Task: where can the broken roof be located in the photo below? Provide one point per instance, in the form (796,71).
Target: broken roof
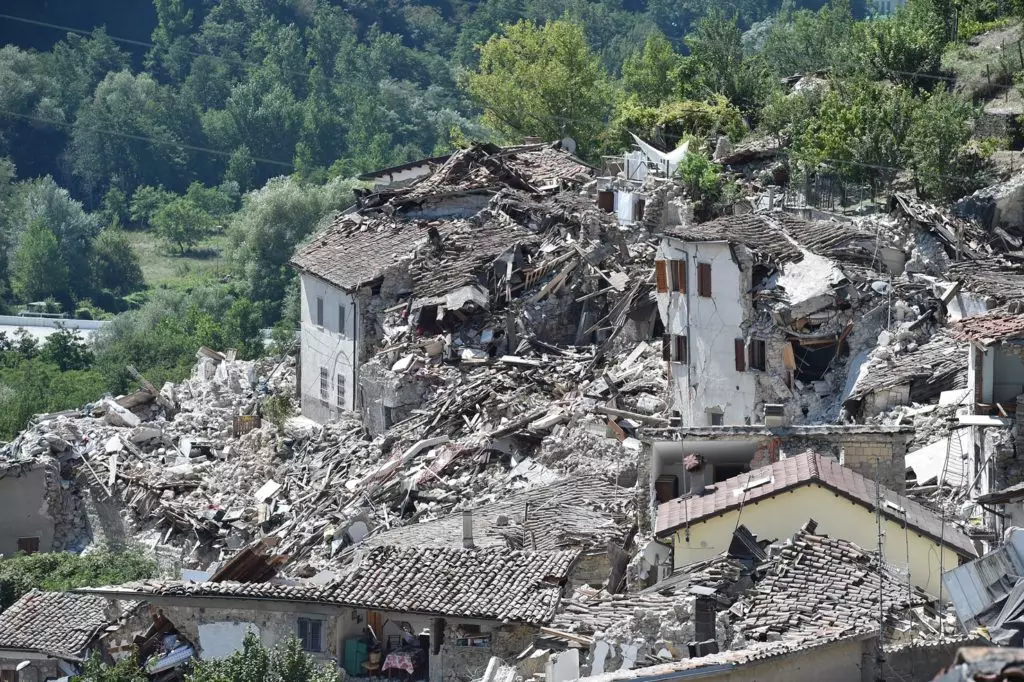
(488,584)
(586,511)
(960,236)
(484,167)
(1000,278)
(780,237)
(991,328)
(59,624)
(757,232)
(356,250)
(819,584)
(793,473)
(936,366)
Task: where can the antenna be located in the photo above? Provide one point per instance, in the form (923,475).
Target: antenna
(880,644)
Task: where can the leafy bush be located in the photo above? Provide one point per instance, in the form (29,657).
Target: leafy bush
(62,571)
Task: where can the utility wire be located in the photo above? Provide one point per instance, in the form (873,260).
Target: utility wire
(144,138)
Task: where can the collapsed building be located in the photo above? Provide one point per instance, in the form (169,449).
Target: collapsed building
(549,418)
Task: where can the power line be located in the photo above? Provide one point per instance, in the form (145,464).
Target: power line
(144,138)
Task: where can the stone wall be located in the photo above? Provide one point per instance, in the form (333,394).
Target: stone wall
(31,502)
(216,632)
(388,397)
(884,399)
(463,664)
(877,458)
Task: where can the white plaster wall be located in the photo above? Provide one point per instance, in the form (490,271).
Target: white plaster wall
(327,346)
(709,380)
(781,516)
(220,640)
(25,511)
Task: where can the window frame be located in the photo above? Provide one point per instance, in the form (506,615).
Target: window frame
(757,355)
(339,389)
(341,319)
(325,385)
(306,642)
(320,311)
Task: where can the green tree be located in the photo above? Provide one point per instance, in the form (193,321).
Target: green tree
(115,264)
(62,571)
(146,202)
(264,233)
(651,74)
(66,349)
(703,181)
(803,41)
(858,132)
(128,669)
(127,134)
(719,65)
(182,223)
(906,48)
(115,207)
(543,81)
(253,663)
(937,146)
(38,270)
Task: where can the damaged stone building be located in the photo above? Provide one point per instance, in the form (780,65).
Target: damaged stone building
(554,427)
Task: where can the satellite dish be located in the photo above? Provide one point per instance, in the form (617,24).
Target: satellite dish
(569,145)
(881,287)
(21,666)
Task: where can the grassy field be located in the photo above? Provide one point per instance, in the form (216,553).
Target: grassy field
(163,267)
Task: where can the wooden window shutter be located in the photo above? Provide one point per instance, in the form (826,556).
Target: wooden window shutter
(661,275)
(704,279)
(680,275)
(741,365)
(682,349)
(666,347)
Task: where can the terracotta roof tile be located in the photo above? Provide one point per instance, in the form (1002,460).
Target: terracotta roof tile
(58,623)
(795,472)
(488,584)
(817,583)
(991,328)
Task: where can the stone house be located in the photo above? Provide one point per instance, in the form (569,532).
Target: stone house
(47,635)
(769,500)
(31,503)
(447,609)
(360,266)
(757,306)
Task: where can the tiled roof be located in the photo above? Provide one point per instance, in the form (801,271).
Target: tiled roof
(585,511)
(991,328)
(354,251)
(487,584)
(779,237)
(484,167)
(998,278)
(795,472)
(820,584)
(57,623)
(936,366)
(757,232)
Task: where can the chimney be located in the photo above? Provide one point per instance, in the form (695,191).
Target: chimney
(774,415)
(694,465)
(467,529)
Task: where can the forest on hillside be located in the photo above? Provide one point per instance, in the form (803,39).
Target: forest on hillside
(161,162)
